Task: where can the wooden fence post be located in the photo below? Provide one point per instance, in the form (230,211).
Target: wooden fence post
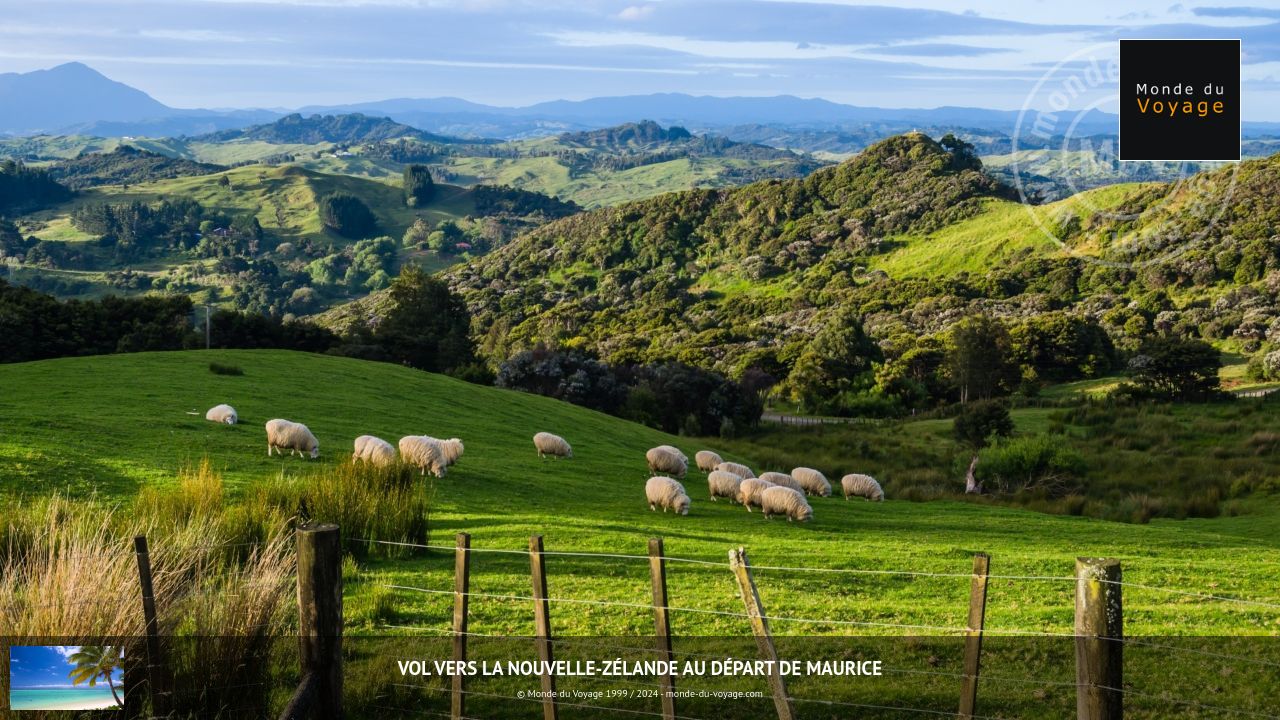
(157,688)
(662,625)
(973,634)
(542,627)
(320,616)
(1099,640)
(760,627)
(461,586)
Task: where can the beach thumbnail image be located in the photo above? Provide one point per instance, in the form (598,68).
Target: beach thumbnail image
(65,677)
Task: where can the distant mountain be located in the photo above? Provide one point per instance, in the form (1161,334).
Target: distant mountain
(67,95)
(348,128)
(628,135)
(189,122)
(126,165)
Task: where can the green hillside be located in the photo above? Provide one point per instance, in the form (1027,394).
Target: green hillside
(105,426)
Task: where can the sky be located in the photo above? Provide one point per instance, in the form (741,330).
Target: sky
(903,53)
(44,666)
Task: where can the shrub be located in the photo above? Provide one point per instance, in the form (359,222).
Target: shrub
(1033,463)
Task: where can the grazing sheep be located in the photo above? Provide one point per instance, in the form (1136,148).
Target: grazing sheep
(424,453)
(668,494)
(373,450)
(749,492)
(552,445)
(452,450)
(295,437)
(738,469)
(677,451)
(723,484)
(812,481)
(222,414)
(785,501)
(662,459)
(783,479)
(707,460)
(863,486)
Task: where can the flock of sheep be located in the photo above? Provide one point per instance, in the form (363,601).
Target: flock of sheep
(426,453)
(775,493)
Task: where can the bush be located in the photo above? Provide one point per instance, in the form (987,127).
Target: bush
(1035,463)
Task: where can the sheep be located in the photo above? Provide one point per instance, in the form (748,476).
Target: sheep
(222,414)
(452,450)
(424,453)
(863,486)
(813,482)
(552,445)
(723,484)
(738,469)
(666,493)
(663,459)
(295,437)
(373,450)
(783,479)
(785,501)
(707,460)
(749,491)
(676,451)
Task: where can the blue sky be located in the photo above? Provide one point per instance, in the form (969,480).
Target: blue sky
(909,53)
(44,666)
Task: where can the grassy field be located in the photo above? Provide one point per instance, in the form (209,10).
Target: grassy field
(1003,229)
(104,427)
(112,430)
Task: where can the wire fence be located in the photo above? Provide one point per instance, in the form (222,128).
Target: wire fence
(783,619)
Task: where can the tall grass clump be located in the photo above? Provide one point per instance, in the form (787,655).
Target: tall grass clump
(369,503)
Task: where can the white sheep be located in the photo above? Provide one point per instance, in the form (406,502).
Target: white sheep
(783,479)
(424,453)
(677,451)
(749,491)
(295,437)
(452,450)
(222,414)
(863,486)
(707,460)
(552,445)
(666,459)
(738,469)
(666,493)
(723,484)
(373,450)
(785,501)
(813,482)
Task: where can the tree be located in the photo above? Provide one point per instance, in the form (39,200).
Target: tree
(418,186)
(347,215)
(1174,368)
(97,661)
(980,358)
(427,326)
(974,427)
(839,353)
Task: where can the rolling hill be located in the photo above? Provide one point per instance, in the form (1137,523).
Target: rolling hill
(58,438)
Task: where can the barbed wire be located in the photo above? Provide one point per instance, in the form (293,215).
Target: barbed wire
(559,553)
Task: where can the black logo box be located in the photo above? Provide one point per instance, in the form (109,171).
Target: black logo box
(1186,65)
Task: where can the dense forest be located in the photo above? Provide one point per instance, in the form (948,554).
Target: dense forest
(127,165)
(346,128)
(772,278)
(25,189)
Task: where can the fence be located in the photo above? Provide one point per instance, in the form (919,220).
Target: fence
(1098,635)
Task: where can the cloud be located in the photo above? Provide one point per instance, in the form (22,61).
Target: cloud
(66,651)
(937,50)
(1238,11)
(635,12)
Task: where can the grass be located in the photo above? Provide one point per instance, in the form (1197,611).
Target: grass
(1002,230)
(115,430)
(501,493)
